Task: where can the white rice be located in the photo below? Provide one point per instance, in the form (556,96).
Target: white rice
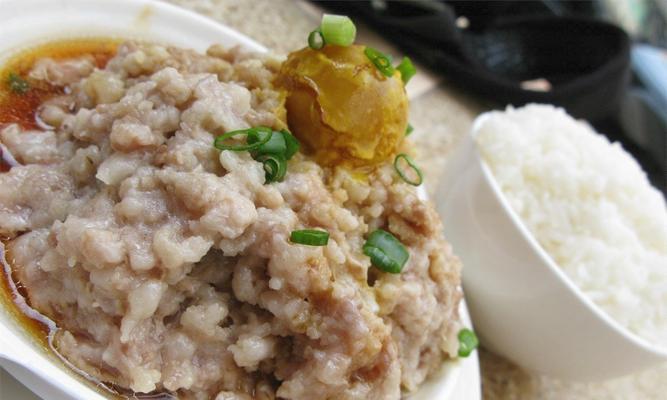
(589,205)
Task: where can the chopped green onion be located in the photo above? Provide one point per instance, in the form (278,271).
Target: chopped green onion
(414,182)
(381,61)
(408,130)
(256,137)
(316,40)
(467,342)
(259,134)
(337,29)
(275,145)
(269,147)
(310,237)
(281,142)
(275,167)
(17,84)
(386,252)
(407,70)
(291,144)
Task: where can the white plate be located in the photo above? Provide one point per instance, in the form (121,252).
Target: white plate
(29,22)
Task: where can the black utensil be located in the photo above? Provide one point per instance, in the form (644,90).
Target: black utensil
(584,60)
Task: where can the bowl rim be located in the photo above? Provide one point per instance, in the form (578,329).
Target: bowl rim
(456,374)
(148,9)
(545,257)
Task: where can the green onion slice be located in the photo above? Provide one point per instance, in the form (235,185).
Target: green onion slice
(337,29)
(275,167)
(17,84)
(316,40)
(407,70)
(467,342)
(412,181)
(408,130)
(275,144)
(291,144)
(310,237)
(386,252)
(381,61)
(269,147)
(259,134)
(256,137)
(281,142)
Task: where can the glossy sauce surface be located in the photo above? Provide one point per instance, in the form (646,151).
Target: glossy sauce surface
(10,287)
(21,108)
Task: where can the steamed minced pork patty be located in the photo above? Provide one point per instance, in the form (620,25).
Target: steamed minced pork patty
(167,263)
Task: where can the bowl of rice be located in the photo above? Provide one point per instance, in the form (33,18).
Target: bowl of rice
(565,246)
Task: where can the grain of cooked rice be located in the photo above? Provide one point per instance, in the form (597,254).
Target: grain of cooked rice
(589,205)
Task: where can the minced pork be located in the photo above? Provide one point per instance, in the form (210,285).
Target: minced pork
(167,264)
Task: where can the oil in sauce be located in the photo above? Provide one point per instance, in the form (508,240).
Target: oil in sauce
(37,327)
(20,107)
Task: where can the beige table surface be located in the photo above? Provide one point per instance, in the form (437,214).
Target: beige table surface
(440,117)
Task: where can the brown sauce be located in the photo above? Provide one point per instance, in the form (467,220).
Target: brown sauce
(4,167)
(20,108)
(38,330)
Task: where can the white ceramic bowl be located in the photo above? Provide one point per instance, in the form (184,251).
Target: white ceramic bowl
(29,22)
(523,305)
